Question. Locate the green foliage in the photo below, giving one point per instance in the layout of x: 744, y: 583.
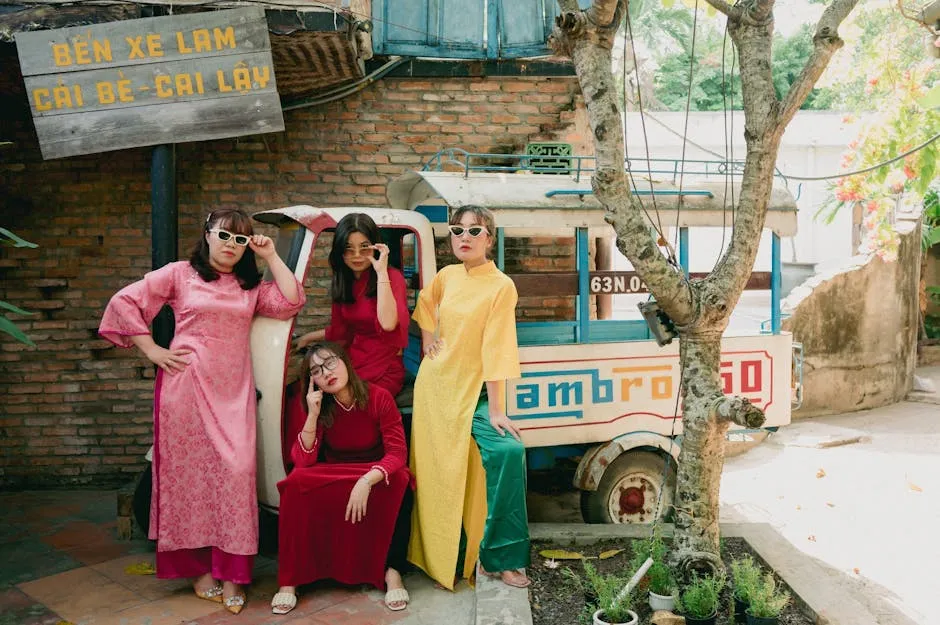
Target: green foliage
x: 700, y: 598
x: 7, y: 326
x: 766, y: 600
x: 660, y: 576
x: 931, y: 227
x: 745, y: 575
x: 606, y: 588
x: 711, y: 92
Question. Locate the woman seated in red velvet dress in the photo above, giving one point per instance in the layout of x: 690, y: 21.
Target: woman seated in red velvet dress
x: 370, y: 315
x: 345, y: 505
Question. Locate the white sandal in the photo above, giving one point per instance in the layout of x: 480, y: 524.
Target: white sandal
x: 283, y: 602
x: 398, y: 595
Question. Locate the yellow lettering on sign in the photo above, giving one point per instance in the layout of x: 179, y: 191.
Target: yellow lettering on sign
x: 181, y: 44
x: 201, y: 41
x: 62, y: 97
x: 162, y: 84
x: 125, y: 93
x: 105, y: 93
x: 662, y: 387
x: 242, y: 79
x: 101, y: 50
x: 184, y: 85
x: 135, y: 43
x: 82, y: 53
x: 61, y: 54
x: 154, y: 45
x: 41, y: 99
x: 261, y: 75
x: 223, y: 88
x: 79, y: 101
x: 224, y: 37
x: 199, y: 87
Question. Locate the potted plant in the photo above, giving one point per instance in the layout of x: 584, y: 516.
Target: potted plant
x: 611, y: 608
x: 662, y: 584
x: 745, y: 576
x: 766, y: 602
x: 699, y: 601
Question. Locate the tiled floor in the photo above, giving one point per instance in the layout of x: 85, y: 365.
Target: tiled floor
x: 61, y: 563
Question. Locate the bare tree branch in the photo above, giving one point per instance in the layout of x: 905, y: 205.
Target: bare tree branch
x: 721, y: 6
x: 602, y: 12
x: 568, y: 6
x: 738, y: 410
x: 826, y: 42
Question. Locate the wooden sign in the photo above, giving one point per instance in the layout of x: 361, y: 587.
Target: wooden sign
x: 191, y: 77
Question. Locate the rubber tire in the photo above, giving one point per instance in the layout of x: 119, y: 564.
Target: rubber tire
x: 594, y: 503
x: 141, y: 504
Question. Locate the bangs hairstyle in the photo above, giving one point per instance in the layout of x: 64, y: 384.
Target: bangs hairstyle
x: 358, y: 386
x: 341, y: 288
x: 482, y: 216
x: 236, y: 222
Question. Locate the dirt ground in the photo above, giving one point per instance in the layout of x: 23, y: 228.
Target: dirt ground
x: 557, y: 599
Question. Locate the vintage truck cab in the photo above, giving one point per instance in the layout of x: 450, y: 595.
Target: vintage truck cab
x: 599, y: 391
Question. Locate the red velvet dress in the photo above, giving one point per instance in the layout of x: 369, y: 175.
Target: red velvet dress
x: 315, y: 540
x: 376, y: 355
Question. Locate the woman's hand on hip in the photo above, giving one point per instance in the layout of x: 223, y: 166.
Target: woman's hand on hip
x: 262, y: 246
x: 502, y: 424
x: 170, y: 360
x: 358, y: 501
x: 431, y: 350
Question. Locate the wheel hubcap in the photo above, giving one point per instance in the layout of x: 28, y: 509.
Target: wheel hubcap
x: 635, y: 499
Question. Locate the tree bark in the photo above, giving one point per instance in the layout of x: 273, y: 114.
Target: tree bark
x: 699, y: 308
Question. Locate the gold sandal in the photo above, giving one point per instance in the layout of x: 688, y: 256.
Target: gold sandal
x: 235, y: 603
x: 213, y: 594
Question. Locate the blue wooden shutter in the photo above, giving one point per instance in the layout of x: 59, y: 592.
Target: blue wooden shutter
x: 524, y: 26
x: 429, y: 28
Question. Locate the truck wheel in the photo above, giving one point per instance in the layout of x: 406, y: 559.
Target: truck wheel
x: 141, y: 503
x: 630, y: 490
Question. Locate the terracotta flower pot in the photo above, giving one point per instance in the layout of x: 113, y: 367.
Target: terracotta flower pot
x: 599, y: 619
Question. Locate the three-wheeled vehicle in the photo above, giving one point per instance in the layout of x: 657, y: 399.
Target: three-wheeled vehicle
x: 599, y: 391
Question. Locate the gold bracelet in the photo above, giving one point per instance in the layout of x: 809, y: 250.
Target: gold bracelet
x: 308, y: 431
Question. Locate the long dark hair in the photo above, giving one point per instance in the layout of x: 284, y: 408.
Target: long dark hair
x: 341, y: 289
x: 236, y: 222
x: 358, y: 386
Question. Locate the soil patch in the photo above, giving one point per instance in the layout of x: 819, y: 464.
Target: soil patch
x: 557, y: 598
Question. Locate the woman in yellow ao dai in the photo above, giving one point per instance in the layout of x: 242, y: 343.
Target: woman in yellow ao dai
x: 466, y: 453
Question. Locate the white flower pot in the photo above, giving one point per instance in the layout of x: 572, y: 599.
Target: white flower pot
x: 662, y: 602
x: 599, y: 619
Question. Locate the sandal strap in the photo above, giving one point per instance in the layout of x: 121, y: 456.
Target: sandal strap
x: 234, y: 600
x: 398, y: 594
x: 284, y: 598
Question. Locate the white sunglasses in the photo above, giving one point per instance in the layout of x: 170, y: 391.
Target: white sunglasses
x: 225, y: 235
x: 473, y: 231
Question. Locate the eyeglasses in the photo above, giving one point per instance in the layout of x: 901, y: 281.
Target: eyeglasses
x: 363, y: 250
x: 327, y: 365
x: 225, y: 235
x: 473, y: 231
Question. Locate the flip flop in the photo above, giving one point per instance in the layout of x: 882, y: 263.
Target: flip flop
x: 283, y: 602
x: 395, y: 596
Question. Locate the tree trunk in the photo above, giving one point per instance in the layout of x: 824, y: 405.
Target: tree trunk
x: 700, y: 309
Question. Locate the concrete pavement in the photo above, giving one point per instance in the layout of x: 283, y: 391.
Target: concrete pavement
x: 868, y: 508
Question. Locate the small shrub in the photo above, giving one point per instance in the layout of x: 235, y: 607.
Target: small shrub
x: 661, y: 579
x: 746, y: 576
x: 607, y: 587
x: 700, y: 598
x: 766, y: 600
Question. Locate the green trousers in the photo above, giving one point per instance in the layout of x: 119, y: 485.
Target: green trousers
x: 505, y: 544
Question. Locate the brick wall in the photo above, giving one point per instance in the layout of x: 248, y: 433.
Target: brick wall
x: 73, y: 410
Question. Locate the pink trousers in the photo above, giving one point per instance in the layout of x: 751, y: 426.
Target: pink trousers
x: 197, y: 562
